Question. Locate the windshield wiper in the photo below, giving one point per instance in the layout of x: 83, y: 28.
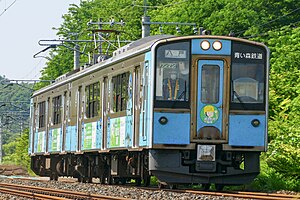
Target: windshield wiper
x: 237, y: 96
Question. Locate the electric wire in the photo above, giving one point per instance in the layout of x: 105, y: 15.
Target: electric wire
x: 266, y: 33
x: 167, y: 5
x: 5, y: 9
x: 261, y: 25
x: 33, y: 69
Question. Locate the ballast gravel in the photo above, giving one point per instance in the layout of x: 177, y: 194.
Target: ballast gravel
x: 111, y: 190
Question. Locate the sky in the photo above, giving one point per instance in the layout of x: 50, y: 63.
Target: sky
x: 22, y: 24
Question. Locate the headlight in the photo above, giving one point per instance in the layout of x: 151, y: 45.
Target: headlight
x: 163, y: 120
x: 205, y: 45
x: 217, y: 45
x: 255, y: 122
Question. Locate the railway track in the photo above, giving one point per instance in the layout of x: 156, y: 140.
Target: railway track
x: 245, y: 195
x: 50, y: 194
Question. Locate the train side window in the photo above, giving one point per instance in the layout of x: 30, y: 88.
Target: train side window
x: 119, y: 87
x: 92, y: 93
x: 210, y: 84
x: 42, y: 114
x: 173, y: 74
x: 56, y: 105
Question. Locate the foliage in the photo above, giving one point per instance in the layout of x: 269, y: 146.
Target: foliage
x: 14, y: 108
x: 284, y: 129
x: 270, y: 179
x: 17, y: 151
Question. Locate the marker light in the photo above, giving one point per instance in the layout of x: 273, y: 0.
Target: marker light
x: 217, y: 45
x: 205, y: 45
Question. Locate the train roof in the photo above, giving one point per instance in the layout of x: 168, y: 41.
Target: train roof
x: 144, y: 42
x: 131, y: 49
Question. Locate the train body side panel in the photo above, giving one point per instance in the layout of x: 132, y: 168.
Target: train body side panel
x: 176, y: 131
x: 71, y: 138
x: 40, y: 142
x: 91, y: 136
x: 55, y: 140
x: 119, y: 132
x: 243, y: 133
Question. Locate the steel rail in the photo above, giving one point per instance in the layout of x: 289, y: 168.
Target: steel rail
x: 246, y: 195
x: 49, y: 193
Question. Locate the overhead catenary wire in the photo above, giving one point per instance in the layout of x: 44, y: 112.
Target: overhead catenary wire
x: 269, y: 22
x: 267, y: 32
x: 5, y: 9
x: 167, y: 5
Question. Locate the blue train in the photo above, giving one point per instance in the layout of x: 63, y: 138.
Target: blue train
x: 187, y: 110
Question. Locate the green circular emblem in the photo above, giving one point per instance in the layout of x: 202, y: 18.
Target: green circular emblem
x: 209, y: 114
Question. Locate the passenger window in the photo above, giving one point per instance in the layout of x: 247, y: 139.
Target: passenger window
x: 42, y: 114
x: 120, y: 92
x: 92, y: 93
x: 56, y: 105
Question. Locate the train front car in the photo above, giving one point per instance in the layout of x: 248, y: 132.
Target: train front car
x: 210, y: 110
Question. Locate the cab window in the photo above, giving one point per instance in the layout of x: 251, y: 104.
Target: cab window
x: 173, y: 74
x: 247, y: 85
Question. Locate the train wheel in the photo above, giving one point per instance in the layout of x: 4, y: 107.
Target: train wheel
x: 80, y: 179
x: 122, y: 181
x: 206, y: 186
x: 147, y: 181
x: 102, y: 180
x: 138, y: 181
x: 161, y: 186
x: 89, y: 179
x: 111, y: 180
x: 219, y: 187
x: 54, y: 176
x: 173, y: 186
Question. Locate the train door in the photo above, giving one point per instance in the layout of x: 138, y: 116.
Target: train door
x: 64, y: 122
x: 144, y: 108
x: 79, y: 117
x: 137, y: 105
x: 210, y: 99
x: 105, y: 111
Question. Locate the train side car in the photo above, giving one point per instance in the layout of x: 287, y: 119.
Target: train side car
x: 189, y: 109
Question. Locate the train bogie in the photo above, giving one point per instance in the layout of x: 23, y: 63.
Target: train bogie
x: 184, y: 109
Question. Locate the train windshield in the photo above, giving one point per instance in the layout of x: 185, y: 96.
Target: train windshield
x: 173, y: 75
x: 247, y: 83
x: 248, y: 76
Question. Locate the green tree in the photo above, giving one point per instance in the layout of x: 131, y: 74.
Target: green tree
x: 284, y: 154
x: 16, y: 152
